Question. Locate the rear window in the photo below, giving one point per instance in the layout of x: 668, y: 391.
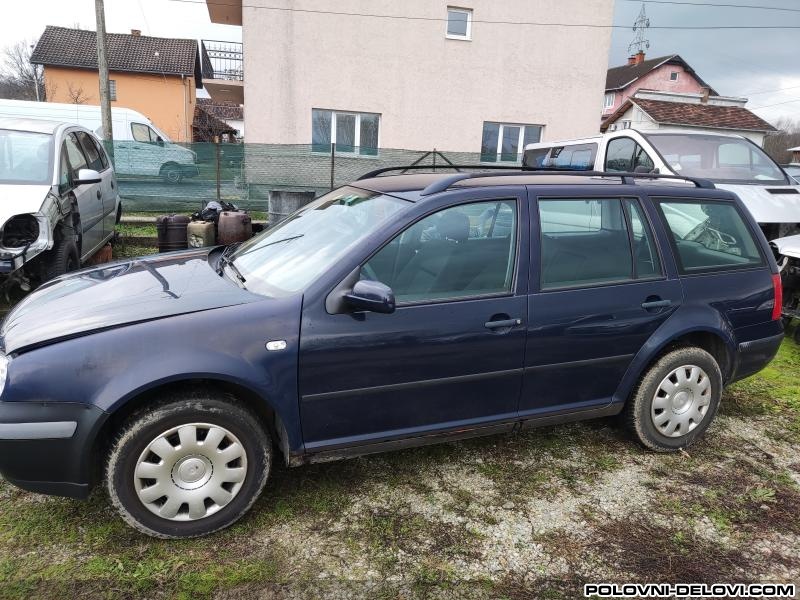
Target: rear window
x: 709, y: 236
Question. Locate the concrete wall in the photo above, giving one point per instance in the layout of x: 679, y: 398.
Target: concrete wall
x: 658, y: 79
x: 430, y: 91
x: 166, y: 100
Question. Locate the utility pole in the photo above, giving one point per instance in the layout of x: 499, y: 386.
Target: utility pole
x: 102, y: 67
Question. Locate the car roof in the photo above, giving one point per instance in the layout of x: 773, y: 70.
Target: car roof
x: 32, y: 125
x: 418, y: 186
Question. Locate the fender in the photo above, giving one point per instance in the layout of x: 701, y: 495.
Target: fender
x: 688, y: 319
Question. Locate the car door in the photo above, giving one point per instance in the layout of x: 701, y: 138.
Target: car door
x: 98, y: 160
x: 449, y: 357
x: 88, y: 195
x: 599, y: 292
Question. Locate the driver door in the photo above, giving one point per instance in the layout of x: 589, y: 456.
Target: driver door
x: 89, y: 197
x: 451, y: 355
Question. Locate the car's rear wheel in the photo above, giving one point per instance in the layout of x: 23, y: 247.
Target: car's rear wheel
x: 676, y: 400
x: 171, y: 174
x: 191, y: 466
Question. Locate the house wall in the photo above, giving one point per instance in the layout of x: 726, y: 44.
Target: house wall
x: 166, y: 100
x: 658, y: 79
x: 431, y: 92
x: 639, y: 120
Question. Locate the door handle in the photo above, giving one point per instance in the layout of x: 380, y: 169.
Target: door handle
x: 99, y: 194
x: 651, y: 304
x: 502, y: 323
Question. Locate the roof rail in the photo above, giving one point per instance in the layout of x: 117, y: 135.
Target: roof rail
x: 434, y: 168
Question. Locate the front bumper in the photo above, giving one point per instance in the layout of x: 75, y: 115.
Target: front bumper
x: 755, y: 355
x: 48, y: 447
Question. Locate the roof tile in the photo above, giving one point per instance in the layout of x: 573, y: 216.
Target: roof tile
x: 703, y: 115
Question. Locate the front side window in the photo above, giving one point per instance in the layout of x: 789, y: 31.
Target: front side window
x: 288, y: 257
x: 709, y: 235
x: 464, y: 251
x: 91, y: 150
x: 353, y: 133
x: 586, y: 242
x: 25, y: 157
x: 77, y: 160
x: 722, y: 159
x: 141, y: 133
x: 459, y: 23
x: 505, y: 142
x: 624, y: 155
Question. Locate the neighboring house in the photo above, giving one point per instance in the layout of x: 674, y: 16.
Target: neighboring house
x: 420, y: 74
x: 155, y: 76
x: 665, y: 73
x: 229, y: 112
x: 647, y: 111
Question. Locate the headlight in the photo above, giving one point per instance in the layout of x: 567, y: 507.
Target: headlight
x: 3, y: 372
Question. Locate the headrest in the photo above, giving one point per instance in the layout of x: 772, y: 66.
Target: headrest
x: 453, y: 226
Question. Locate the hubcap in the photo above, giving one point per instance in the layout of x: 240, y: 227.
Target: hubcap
x: 190, y: 472
x: 681, y: 401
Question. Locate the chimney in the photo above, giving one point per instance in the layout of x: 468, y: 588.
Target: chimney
x: 706, y: 94
x: 136, y: 32
x: 638, y: 58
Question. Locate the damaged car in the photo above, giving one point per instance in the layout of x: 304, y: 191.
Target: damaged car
x: 60, y: 200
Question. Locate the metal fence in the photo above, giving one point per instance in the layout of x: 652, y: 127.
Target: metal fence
x: 185, y: 177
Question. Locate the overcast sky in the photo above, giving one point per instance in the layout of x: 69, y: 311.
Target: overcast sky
x: 735, y: 62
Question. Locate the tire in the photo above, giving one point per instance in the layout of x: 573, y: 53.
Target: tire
x: 63, y: 258
x: 676, y: 400
x: 189, y: 476
x: 171, y: 174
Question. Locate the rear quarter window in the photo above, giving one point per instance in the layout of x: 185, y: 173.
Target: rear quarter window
x: 709, y: 235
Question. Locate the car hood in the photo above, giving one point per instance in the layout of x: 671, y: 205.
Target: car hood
x: 768, y: 203
x: 117, y: 294
x: 788, y: 246
x: 20, y: 199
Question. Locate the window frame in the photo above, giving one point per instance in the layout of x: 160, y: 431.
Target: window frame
x: 682, y: 272
x: 451, y: 36
x: 80, y: 135
x: 676, y: 75
x: 112, y: 90
x: 648, y: 223
x: 356, y: 153
x: 633, y: 153
x: 609, y: 99
x: 520, y: 141
x: 517, y: 200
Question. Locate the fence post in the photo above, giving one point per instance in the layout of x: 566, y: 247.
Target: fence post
x: 216, y: 153
x: 333, y: 162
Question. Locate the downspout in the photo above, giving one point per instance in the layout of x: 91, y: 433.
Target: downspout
x: 185, y: 124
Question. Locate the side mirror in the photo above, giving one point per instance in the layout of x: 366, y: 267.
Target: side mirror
x: 86, y: 176
x: 372, y: 296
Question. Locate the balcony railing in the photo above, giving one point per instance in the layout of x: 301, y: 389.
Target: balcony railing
x: 223, y: 60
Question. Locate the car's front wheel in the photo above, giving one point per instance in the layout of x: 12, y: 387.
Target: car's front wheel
x: 676, y: 400
x: 188, y: 467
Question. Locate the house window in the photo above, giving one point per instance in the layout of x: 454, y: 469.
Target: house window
x: 112, y: 89
x: 353, y: 133
x: 673, y: 76
x: 459, y: 23
x: 608, y: 101
x: 505, y: 142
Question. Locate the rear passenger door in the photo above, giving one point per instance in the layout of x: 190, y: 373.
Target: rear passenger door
x: 598, y: 293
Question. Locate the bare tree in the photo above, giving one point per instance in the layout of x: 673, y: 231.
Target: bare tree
x: 19, y: 78
x: 787, y: 136
x: 76, y: 94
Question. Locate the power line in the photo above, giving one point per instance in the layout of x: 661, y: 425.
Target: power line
x: 526, y: 23
x: 776, y: 104
x: 794, y: 87
x: 703, y: 4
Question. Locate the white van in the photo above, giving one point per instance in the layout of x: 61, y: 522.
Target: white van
x: 140, y: 148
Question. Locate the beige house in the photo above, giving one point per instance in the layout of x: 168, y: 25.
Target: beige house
x: 476, y: 76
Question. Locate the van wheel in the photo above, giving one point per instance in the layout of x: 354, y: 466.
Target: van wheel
x: 676, y: 400
x: 63, y: 258
x: 171, y: 174
x: 188, y: 467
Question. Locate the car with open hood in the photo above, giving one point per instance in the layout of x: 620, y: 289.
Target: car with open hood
x: 396, y: 311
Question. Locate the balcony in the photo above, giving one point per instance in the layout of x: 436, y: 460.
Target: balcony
x: 225, y: 12
x: 223, y: 70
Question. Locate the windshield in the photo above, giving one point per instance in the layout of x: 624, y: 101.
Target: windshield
x: 25, y: 157
x: 715, y: 157
x: 286, y: 258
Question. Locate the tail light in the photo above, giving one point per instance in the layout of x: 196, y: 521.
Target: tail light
x: 777, y: 288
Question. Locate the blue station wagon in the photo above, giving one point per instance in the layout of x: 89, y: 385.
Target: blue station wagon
x: 397, y: 311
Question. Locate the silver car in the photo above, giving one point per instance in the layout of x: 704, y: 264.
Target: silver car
x: 59, y: 200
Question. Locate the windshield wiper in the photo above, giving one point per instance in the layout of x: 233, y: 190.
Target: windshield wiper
x: 288, y: 239
x: 225, y: 261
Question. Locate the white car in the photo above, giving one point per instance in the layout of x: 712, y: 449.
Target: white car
x: 58, y: 200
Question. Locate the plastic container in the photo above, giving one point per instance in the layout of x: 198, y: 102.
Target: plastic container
x: 172, y: 232
x: 233, y: 227
x: 201, y: 234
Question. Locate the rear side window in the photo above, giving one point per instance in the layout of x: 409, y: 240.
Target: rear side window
x: 587, y: 242
x: 709, y: 236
